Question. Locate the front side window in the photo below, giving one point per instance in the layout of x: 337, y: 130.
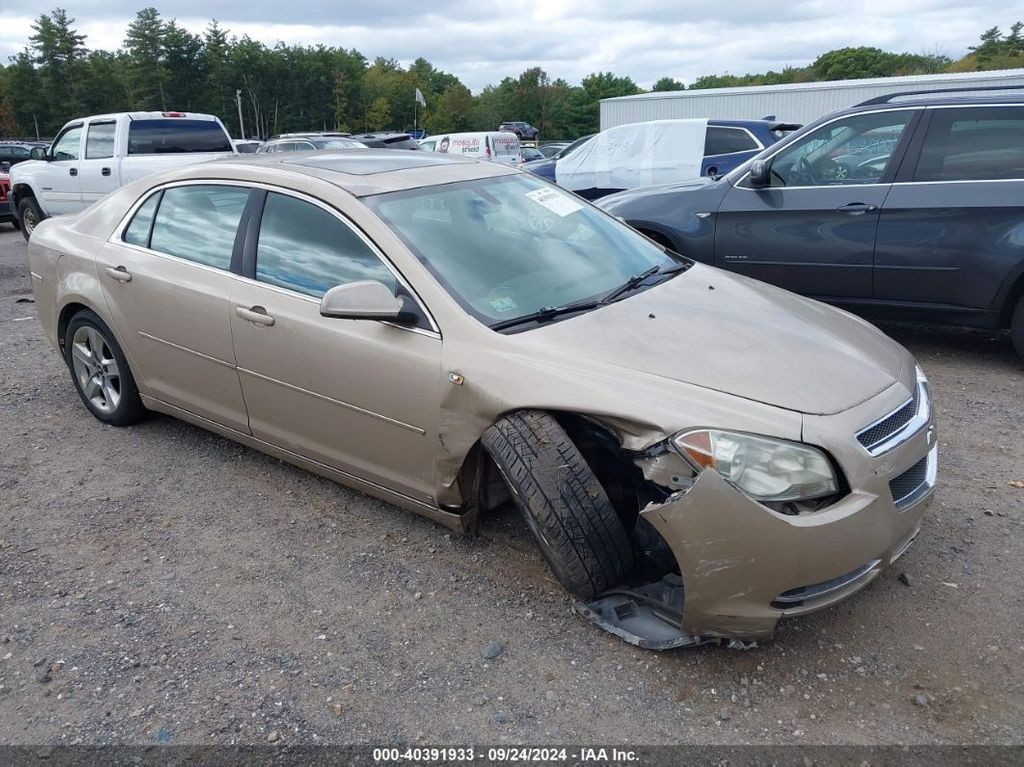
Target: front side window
x: 721, y: 140
x: 507, y: 247
x: 68, y: 145
x: 852, y: 150
x: 199, y: 223
x: 976, y: 144
x: 307, y: 249
x: 99, y: 142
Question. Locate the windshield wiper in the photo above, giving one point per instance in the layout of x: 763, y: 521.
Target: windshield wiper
x: 547, y: 313
x: 630, y: 284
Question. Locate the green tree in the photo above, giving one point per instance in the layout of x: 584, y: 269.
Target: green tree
x: 59, y: 53
x: 145, y: 43
x: 668, y: 84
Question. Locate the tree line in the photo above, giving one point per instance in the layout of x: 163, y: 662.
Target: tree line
x: 163, y: 66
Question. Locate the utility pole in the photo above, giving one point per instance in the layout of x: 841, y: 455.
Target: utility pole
x: 241, y: 123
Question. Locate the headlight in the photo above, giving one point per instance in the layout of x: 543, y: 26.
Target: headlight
x: 763, y: 468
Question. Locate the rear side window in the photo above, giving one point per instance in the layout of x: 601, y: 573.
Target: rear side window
x: 719, y: 140
x: 304, y: 248
x: 138, y: 230
x: 976, y: 144
x: 99, y: 141
x: 199, y: 223
x: 176, y: 135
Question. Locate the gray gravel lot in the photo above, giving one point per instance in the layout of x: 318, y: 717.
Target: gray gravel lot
x: 160, y: 584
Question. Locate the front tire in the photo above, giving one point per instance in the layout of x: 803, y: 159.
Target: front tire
x: 31, y: 215
x: 575, y: 525
x: 100, y: 371
x: 1017, y: 327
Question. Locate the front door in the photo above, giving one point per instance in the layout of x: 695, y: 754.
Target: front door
x: 62, y: 191
x: 812, y: 229
x: 167, y: 283
x: 357, y: 395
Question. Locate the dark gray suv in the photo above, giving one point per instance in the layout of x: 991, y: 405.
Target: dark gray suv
x: 907, y: 206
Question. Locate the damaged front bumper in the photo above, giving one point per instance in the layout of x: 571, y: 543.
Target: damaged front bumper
x: 743, y: 566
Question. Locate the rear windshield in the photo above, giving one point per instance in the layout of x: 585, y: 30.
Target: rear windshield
x: 175, y: 136
x: 505, y: 144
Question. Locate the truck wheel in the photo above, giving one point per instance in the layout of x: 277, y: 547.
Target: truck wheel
x: 1017, y: 327
x: 31, y: 215
x: 567, y: 510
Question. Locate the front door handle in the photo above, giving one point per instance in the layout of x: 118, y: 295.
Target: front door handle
x: 73, y: 171
x: 857, y: 208
x: 256, y: 314
x: 104, y: 171
x: 119, y: 273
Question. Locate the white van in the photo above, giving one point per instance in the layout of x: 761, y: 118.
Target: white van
x: 493, y: 146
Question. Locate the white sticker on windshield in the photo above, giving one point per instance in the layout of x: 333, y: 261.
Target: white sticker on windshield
x: 557, y: 202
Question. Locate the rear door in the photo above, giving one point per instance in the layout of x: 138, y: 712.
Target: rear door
x: 97, y: 172
x: 61, y: 190
x: 952, y: 228
x: 167, y: 280
x: 812, y: 230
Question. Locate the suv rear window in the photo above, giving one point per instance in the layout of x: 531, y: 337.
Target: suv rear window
x: 175, y: 136
x: 973, y: 144
x: 721, y: 140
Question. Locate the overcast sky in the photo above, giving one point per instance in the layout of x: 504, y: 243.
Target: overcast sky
x: 482, y: 41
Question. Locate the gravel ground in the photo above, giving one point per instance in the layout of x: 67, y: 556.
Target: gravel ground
x: 160, y: 584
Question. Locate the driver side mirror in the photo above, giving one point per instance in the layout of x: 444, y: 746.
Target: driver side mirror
x: 5, y: 167
x: 38, y: 153
x: 365, y: 300
x: 760, y: 174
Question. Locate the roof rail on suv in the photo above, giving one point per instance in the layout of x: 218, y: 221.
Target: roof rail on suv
x: 890, y: 97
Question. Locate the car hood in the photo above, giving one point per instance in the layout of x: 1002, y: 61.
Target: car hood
x: 734, y: 335
x: 644, y: 191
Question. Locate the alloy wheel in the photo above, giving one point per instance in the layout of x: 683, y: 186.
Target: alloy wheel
x: 96, y: 369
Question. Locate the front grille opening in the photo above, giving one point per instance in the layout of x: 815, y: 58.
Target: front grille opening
x: 875, y: 435
x: 910, y: 485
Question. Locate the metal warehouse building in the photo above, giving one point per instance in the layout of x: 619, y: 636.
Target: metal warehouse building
x: 795, y: 102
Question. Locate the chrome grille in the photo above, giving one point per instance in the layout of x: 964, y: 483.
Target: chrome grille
x: 909, y: 486
x: 876, y: 434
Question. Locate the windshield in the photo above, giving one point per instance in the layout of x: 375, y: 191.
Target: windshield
x: 511, y: 246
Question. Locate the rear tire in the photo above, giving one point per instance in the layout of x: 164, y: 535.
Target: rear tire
x: 1017, y: 327
x: 575, y: 525
x: 100, y: 371
x: 31, y: 215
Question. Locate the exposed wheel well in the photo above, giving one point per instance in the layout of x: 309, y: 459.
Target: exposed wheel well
x: 621, y: 479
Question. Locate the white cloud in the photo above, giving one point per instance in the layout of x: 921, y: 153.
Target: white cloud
x: 482, y: 42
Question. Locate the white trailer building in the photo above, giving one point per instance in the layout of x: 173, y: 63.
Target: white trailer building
x: 795, y: 102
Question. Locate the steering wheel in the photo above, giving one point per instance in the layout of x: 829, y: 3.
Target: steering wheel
x: 804, y: 168
x: 540, y: 221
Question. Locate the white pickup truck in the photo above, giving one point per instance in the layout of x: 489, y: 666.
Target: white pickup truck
x: 93, y: 156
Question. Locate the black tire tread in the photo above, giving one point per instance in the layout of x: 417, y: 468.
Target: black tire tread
x: 553, y: 486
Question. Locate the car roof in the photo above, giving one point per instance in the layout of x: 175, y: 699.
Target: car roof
x: 360, y: 172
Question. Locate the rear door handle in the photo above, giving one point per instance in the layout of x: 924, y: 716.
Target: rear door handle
x: 857, y: 208
x: 105, y: 171
x: 256, y: 314
x: 119, y: 273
